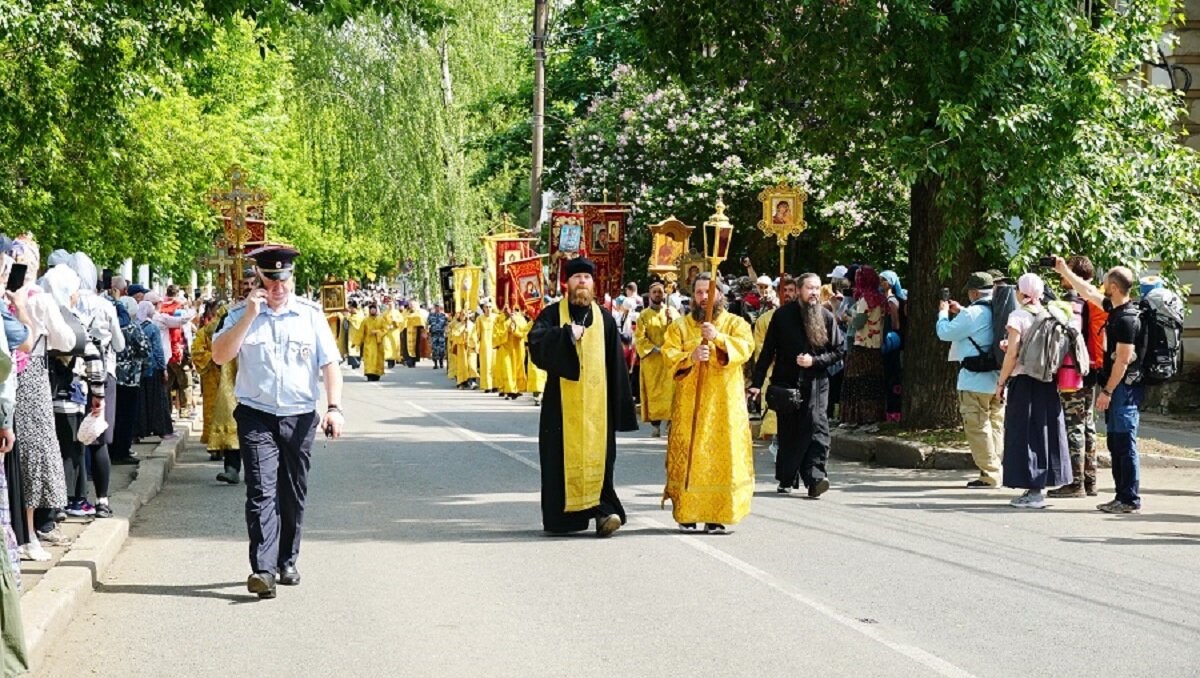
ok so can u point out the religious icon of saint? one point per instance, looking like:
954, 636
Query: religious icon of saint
783, 213
531, 290
600, 239
693, 272
667, 252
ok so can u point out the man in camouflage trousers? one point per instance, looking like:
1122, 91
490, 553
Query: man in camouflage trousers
1079, 405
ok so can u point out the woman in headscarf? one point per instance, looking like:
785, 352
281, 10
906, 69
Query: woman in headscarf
33, 420
1035, 434
862, 389
894, 320
154, 416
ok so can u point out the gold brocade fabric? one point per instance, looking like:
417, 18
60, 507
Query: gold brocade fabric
485, 329
217, 390
585, 417
413, 322
504, 373
453, 332
356, 332
518, 331
769, 425
656, 385
375, 342
710, 423
391, 344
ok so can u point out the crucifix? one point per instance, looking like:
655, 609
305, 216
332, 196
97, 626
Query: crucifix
221, 262
235, 200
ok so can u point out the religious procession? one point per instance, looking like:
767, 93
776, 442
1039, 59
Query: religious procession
620, 338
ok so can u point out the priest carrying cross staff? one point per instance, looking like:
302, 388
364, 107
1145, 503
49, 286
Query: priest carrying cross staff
586, 401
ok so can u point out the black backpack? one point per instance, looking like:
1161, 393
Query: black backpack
1160, 336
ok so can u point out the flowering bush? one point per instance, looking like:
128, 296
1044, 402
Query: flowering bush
667, 150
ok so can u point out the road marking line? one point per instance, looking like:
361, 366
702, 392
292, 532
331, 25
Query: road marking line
929, 661
478, 438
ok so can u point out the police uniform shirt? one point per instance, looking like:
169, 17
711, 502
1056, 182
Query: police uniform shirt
280, 357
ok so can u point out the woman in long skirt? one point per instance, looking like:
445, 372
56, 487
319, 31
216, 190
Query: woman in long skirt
863, 393
154, 415
1035, 433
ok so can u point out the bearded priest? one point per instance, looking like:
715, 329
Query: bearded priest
710, 463
587, 399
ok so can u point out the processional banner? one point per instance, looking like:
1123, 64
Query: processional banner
525, 290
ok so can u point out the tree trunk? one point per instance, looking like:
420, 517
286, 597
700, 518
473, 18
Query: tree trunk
930, 398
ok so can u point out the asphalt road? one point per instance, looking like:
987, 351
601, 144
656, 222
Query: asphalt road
423, 556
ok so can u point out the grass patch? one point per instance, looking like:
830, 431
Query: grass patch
938, 437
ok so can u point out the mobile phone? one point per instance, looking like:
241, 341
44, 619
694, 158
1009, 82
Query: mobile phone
945, 294
1047, 262
16, 277
106, 279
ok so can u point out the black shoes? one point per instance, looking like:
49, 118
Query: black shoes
784, 488
131, 460
289, 575
980, 484
229, 476
262, 584
606, 525
687, 527
818, 488
715, 528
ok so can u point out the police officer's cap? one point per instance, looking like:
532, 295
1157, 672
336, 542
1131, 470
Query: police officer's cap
274, 262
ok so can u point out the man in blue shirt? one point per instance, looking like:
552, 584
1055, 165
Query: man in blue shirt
970, 334
281, 342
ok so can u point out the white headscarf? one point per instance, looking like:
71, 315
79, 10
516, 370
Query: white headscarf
145, 311
86, 270
61, 282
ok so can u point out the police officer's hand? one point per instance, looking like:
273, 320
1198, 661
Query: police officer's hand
333, 423
255, 301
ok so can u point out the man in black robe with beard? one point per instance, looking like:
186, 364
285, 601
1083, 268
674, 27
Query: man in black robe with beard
555, 347
802, 341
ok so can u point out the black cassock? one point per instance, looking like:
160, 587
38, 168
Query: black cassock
552, 349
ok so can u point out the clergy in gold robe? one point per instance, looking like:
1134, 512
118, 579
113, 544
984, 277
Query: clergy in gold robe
485, 343
769, 425
504, 373
655, 382
354, 322
376, 330
393, 351
587, 400
710, 465
217, 389
518, 332
452, 330
414, 329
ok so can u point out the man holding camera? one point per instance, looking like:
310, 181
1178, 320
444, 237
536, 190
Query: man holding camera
969, 331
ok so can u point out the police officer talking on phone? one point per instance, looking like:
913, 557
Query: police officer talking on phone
281, 342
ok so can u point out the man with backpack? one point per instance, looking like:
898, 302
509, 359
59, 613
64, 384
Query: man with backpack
969, 329
1079, 398
1121, 388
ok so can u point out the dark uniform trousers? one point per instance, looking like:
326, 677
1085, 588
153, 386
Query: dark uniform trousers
277, 454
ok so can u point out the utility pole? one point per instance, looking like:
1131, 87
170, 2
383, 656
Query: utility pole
539, 110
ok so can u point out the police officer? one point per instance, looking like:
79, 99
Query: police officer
281, 342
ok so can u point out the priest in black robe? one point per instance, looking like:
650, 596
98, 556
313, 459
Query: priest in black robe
802, 342
561, 344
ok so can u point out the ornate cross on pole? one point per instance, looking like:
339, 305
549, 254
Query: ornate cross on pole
235, 200
221, 262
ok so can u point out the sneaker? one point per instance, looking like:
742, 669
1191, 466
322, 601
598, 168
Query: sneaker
715, 528
54, 537
818, 488
606, 525
229, 476
1029, 500
687, 527
103, 511
980, 484
1106, 505
784, 488
773, 448
33, 551
1067, 492
1120, 508
80, 509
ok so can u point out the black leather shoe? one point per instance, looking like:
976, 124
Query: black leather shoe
261, 584
818, 488
289, 575
131, 460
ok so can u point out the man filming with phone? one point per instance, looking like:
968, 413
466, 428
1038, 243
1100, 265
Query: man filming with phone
282, 342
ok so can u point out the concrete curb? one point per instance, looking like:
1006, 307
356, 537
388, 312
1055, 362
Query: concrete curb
899, 453
49, 607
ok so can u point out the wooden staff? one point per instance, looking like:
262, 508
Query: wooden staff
713, 290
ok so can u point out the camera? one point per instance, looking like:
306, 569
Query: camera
945, 294
1047, 262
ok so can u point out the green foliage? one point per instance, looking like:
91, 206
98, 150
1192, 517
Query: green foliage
1016, 108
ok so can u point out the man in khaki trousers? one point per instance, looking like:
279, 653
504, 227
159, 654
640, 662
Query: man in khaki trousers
969, 330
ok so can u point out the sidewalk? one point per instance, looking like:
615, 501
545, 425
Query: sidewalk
53, 591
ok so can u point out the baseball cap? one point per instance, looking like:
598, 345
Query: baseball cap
838, 271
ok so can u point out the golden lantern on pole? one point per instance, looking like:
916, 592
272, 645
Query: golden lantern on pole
783, 215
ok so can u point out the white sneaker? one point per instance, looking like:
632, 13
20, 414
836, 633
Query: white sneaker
774, 447
1030, 500
33, 551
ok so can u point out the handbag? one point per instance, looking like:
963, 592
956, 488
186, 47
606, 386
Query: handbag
784, 400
